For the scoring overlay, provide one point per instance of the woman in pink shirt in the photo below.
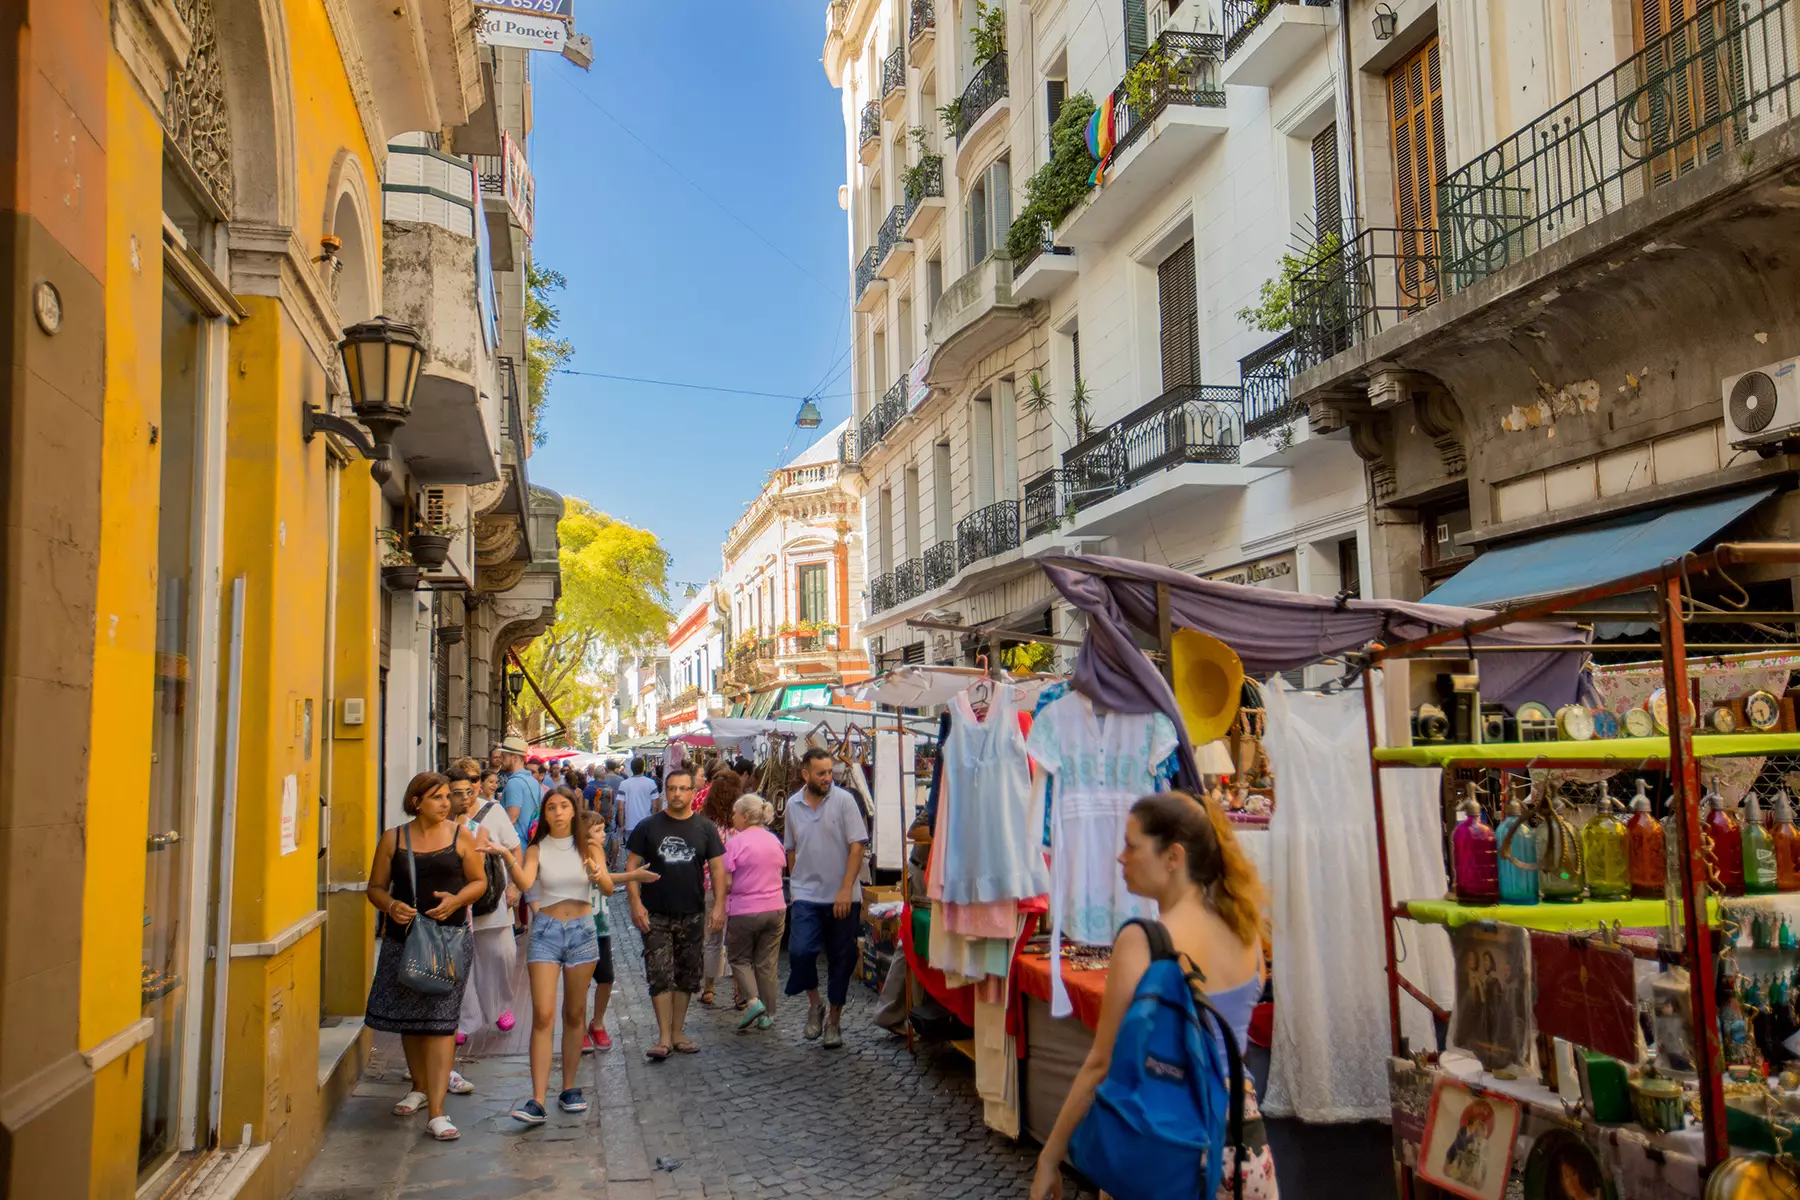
(755, 909)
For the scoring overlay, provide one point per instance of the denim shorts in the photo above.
(569, 943)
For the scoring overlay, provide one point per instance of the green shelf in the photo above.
(1584, 914)
(1625, 752)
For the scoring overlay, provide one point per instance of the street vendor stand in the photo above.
(1634, 1159)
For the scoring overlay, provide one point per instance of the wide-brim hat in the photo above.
(516, 745)
(1208, 679)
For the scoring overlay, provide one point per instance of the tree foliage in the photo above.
(1273, 311)
(1055, 188)
(615, 597)
(545, 353)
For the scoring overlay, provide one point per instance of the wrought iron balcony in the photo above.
(866, 271)
(1263, 376)
(940, 565)
(881, 593)
(892, 405)
(1043, 507)
(924, 20)
(868, 130)
(849, 450)
(889, 235)
(986, 89)
(868, 433)
(1688, 98)
(987, 532)
(909, 580)
(926, 184)
(1190, 423)
(893, 74)
(1191, 78)
(1379, 277)
(1243, 16)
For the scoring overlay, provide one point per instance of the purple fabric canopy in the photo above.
(1276, 631)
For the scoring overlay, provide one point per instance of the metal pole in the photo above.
(1685, 779)
(1381, 863)
(234, 703)
(1165, 632)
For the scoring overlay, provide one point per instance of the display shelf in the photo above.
(1584, 914)
(1620, 752)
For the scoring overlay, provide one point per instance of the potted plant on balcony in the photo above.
(399, 573)
(989, 32)
(430, 542)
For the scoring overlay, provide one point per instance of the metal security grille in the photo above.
(1328, 201)
(1179, 302)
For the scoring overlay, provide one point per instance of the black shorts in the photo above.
(673, 952)
(603, 970)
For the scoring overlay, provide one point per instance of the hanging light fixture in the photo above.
(382, 358)
(1386, 22)
(809, 417)
(515, 683)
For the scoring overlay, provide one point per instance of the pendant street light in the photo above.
(382, 358)
(809, 417)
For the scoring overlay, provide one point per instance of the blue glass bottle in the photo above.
(1518, 857)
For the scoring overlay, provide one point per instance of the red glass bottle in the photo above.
(1477, 860)
(1644, 845)
(1724, 842)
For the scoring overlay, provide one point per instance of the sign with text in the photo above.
(518, 184)
(524, 30)
(1276, 573)
(541, 8)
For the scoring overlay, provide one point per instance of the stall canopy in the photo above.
(1593, 554)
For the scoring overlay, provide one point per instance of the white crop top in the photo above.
(561, 874)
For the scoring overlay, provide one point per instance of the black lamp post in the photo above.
(382, 358)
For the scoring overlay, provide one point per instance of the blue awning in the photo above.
(1592, 554)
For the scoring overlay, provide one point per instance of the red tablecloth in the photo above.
(1086, 988)
(961, 1000)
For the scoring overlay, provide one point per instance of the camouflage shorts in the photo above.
(673, 950)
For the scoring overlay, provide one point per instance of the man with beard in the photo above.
(681, 846)
(826, 840)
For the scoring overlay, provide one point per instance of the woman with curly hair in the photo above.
(722, 792)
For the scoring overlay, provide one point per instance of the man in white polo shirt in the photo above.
(826, 840)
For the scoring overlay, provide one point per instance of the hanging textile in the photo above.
(989, 852)
(1101, 763)
(1329, 1053)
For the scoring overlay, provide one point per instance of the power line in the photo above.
(700, 387)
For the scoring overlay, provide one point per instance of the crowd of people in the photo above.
(514, 859)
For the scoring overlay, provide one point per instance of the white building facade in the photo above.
(1091, 386)
(696, 650)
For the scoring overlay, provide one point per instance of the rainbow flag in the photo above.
(1101, 135)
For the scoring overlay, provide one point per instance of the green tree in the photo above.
(545, 353)
(615, 596)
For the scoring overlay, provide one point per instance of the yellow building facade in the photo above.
(190, 680)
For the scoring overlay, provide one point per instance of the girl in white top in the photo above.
(556, 872)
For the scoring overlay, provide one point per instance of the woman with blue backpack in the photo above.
(1162, 1107)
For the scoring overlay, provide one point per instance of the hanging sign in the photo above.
(1276, 573)
(542, 8)
(526, 31)
(517, 182)
(921, 390)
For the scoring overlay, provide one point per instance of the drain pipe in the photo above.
(1352, 212)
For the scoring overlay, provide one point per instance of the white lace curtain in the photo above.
(1328, 1060)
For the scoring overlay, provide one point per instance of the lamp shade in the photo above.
(382, 358)
(809, 417)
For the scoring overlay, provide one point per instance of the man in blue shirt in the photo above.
(520, 794)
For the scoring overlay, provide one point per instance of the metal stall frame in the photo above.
(1671, 583)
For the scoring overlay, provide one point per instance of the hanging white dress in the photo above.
(1328, 1059)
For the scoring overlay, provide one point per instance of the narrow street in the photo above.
(752, 1115)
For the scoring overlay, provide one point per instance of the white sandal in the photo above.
(460, 1086)
(441, 1129)
(409, 1104)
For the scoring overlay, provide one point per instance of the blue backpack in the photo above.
(1173, 1098)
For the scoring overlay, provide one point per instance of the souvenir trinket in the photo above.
(1638, 723)
(1430, 724)
(1518, 855)
(1535, 722)
(1604, 851)
(1760, 877)
(1606, 723)
(1657, 1103)
(1723, 720)
(1574, 723)
(1644, 847)
(1762, 711)
(1658, 706)
(1473, 848)
(1723, 843)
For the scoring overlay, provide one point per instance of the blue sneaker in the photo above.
(530, 1112)
(572, 1101)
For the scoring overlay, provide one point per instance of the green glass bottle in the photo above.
(1604, 842)
(1760, 875)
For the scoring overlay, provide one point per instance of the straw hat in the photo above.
(516, 745)
(1208, 680)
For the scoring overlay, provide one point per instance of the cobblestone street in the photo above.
(752, 1115)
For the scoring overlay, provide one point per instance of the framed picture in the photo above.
(1468, 1145)
(1563, 1167)
(1492, 1017)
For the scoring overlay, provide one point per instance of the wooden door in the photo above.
(1688, 78)
(1416, 111)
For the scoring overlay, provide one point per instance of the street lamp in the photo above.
(515, 683)
(382, 358)
(809, 417)
(1386, 22)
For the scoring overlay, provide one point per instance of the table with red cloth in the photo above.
(915, 926)
(1086, 988)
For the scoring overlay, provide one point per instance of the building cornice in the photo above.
(271, 260)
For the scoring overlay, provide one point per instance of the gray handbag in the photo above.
(436, 959)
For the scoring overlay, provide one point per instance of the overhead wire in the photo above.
(700, 387)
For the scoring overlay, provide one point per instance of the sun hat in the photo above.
(1208, 679)
(516, 745)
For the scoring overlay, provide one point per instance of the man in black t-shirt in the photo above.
(681, 846)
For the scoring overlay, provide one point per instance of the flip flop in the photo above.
(686, 1047)
(657, 1053)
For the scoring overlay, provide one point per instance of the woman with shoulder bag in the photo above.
(1184, 855)
(430, 861)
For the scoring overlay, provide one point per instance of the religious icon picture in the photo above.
(1492, 1016)
(1468, 1143)
(1563, 1167)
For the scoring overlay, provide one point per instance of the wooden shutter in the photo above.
(1416, 109)
(1179, 300)
(1137, 31)
(1690, 79)
(1328, 204)
(1075, 349)
(1055, 90)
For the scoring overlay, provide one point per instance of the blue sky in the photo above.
(663, 283)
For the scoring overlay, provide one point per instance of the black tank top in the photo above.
(439, 871)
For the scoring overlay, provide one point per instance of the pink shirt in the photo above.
(754, 859)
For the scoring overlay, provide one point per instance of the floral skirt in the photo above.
(1259, 1164)
(396, 1008)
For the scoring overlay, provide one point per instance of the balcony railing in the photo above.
(1378, 278)
(888, 236)
(940, 565)
(881, 593)
(1043, 507)
(869, 128)
(866, 271)
(926, 184)
(1688, 98)
(1243, 16)
(893, 74)
(849, 450)
(987, 532)
(909, 580)
(984, 90)
(924, 17)
(868, 432)
(892, 405)
(1192, 78)
(1263, 376)
(1190, 423)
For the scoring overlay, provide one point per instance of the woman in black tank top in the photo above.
(451, 876)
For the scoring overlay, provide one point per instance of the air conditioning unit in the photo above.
(1763, 406)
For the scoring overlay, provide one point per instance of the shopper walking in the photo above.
(519, 793)
(721, 795)
(681, 846)
(755, 909)
(826, 841)
(425, 870)
(489, 995)
(557, 871)
(636, 798)
(1183, 854)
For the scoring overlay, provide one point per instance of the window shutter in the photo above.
(978, 224)
(1054, 92)
(999, 192)
(1137, 31)
(1328, 204)
(1075, 349)
(1416, 107)
(1179, 301)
